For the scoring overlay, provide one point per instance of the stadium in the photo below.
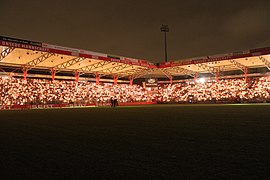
(188, 119)
(40, 74)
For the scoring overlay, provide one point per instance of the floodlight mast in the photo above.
(165, 29)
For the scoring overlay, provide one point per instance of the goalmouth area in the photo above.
(153, 142)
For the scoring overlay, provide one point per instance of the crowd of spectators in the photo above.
(16, 91)
(223, 91)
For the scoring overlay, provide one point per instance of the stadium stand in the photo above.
(223, 91)
(17, 91)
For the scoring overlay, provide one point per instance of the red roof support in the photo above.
(246, 74)
(115, 78)
(53, 74)
(130, 81)
(77, 77)
(196, 77)
(217, 74)
(24, 69)
(97, 78)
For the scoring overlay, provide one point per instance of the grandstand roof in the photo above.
(37, 55)
(240, 60)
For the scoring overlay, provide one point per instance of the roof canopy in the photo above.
(36, 55)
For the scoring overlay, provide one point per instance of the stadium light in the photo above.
(165, 29)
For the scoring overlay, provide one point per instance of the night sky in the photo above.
(132, 28)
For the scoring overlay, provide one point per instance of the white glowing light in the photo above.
(202, 80)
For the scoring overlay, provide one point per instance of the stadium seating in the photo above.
(223, 91)
(16, 91)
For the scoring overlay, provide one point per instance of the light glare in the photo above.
(202, 80)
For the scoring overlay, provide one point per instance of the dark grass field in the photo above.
(150, 142)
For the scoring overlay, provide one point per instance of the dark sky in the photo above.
(132, 28)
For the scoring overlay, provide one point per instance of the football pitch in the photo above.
(144, 142)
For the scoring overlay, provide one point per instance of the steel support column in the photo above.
(77, 74)
(130, 80)
(246, 74)
(97, 79)
(24, 69)
(196, 77)
(217, 76)
(53, 72)
(115, 78)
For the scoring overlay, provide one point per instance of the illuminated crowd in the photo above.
(16, 91)
(223, 91)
